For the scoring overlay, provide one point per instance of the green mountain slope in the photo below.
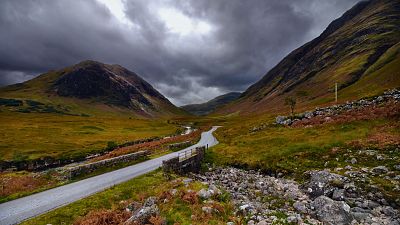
(210, 106)
(359, 51)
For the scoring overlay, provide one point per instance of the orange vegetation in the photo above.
(14, 183)
(104, 217)
(389, 110)
(154, 145)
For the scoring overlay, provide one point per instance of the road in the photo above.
(18, 210)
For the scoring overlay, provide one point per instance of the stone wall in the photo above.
(392, 95)
(90, 167)
(188, 161)
(179, 145)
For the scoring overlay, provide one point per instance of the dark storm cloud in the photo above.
(244, 40)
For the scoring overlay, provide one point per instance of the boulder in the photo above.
(323, 183)
(332, 212)
(280, 119)
(207, 209)
(380, 170)
(143, 215)
(300, 207)
(205, 194)
(150, 201)
(338, 195)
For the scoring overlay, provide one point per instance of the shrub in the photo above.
(10, 102)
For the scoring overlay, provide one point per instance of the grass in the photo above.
(177, 209)
(22, 183)
(289, 150)
(35, 135)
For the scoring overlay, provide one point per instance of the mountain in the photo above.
(360, 51)
(95, 83)
(210, 106)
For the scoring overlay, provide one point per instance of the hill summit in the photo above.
(96, 82)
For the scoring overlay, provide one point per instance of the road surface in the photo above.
(18, 210)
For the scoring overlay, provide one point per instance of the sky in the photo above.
(189, 50)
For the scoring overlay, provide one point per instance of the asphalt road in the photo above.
(18, 210)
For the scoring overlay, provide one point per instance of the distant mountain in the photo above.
(95, 83)
(360, 51)
(210, 106)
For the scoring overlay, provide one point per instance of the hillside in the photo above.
(93, 86)
(360, 51)
(208, 107)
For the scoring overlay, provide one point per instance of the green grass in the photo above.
(152, 184)
(108, 199)
(287, 150)
(35, 135)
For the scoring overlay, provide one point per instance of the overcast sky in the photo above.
(190, 50)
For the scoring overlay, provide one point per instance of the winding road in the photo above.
(18, 210)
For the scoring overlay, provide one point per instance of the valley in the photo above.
(316, 140)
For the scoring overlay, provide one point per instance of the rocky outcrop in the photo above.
(325, 197)
(112, 84)
(143, 214)
(332, 212)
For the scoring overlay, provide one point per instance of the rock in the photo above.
(353, 161)
(173, 192)
(292, 219)
(332, 212)
(262, 222)
(360, 216)
(308, 115)
(338, 195)
(380, 157)
(144, 214)
(186, 181)
(300, 207)
(133, 207)
(244, 207)
(348, 167)
(280, 119)
(287, 122)
(251, 222)
(204, 193)
(214, 189)
(380, 170)
(230, 223)
(150, 201)
(397, 167)
(323, 183)
(207, 209)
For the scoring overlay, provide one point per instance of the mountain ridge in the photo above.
(342, 54)
(209, 106)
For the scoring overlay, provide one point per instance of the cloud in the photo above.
(189, 50)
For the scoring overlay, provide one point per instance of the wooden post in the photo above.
(336, 93)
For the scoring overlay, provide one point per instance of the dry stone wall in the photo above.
(88, 168)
